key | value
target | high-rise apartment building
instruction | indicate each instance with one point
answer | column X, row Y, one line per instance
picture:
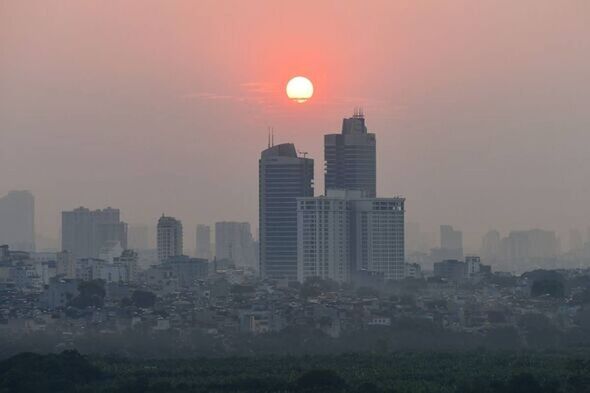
column 323, row 241
column 450, row 238
column 377, row 236
column 490, row 246
column 169, row 238
column 344, row 234
column 234, row 242
column 350, row 158
column 84, row 232
column 525, row 250
column 283, row 177
column 203, row 242
column 17, row 220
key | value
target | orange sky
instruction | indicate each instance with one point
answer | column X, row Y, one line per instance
column 480, row 108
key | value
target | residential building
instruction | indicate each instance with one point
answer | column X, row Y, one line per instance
column 535, row 248
column 377, row 236
column 472, row 266
column 129, row 261
column 169, row 238
column 412, row 270
column 66, row 265
column 203, row 242
column 59, row 293
column 323, row 237
column 84, row 232
column 450, row 269
column 491, row 246
column 17, row 220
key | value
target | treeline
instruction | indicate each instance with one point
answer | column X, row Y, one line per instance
column 532, row 332
column 476, row 371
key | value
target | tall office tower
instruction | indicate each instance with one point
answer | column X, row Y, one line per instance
column 451, row 243
column 350, row 157
column 283, row 177
column 203, row 242
column 234, row 242
column 377, row 236
column 323, row 237
column 17, row 220
column 169, row 238
column 84, row 232
column 138, row 237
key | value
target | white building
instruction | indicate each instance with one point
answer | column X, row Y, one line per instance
column 129, row 262
column 88, row 269
column 344, row 233
column 110, row 250
column 169, row 238
column 377, row 236
column 323, row 237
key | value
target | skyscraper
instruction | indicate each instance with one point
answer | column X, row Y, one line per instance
column 203, row 242
column 169, row 238
column 351, row 158
column 17, row 220
column 283, row 177
column 84, row 232
column 233, row 242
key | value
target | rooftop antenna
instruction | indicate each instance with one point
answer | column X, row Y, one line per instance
column 273, row 136
column 268, row 137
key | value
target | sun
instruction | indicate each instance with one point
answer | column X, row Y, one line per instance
column 299, row 89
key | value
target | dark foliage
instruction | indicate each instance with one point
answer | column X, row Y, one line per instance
column 143, row 299
column 320, row 381
column 92, row 294
column 405, row 372
column 29, row 372
column 553, row 288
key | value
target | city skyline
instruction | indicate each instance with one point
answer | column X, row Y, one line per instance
column 452, row 116
column 294, row 196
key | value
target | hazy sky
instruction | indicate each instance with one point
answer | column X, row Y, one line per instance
column 481, row 108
